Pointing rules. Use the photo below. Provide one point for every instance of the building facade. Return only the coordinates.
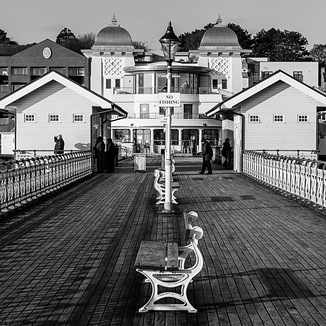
(133, 79)
(20, 65)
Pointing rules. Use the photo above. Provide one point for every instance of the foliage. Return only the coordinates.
(86, 41)
(318, 53)
(191, 41)
(67, 39)
(280, 45)
(6, 40)
(141, 45)
(244, 37)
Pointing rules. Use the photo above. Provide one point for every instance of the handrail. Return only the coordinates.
(302, 178)
(22, 181)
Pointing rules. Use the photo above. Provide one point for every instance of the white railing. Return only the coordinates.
(302, 178)
(23, 181)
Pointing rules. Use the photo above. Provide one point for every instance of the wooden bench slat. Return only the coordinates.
(172, 256)
(157, 256)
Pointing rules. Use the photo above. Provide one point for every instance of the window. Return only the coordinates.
(117, 83)
(187, 111)
(20, 71)
(54, 118)
(298, 75)
(322, 116)
(76, 72)
(108, 84)
(58, 69)
(122, 135)
(17, 86)
(78, 118)
(224, 84)
(265, 74)
(278, 118)
(4, 71)
(38, 71)
(144, 111)
(254, 118)
(215, 84)
(29, 118)
(302, 118)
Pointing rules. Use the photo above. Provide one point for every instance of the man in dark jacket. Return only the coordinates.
(59, 145)
(207, 154)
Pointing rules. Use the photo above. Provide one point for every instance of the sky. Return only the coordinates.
(29, 21)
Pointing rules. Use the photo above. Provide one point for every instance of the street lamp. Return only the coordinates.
(169, 42)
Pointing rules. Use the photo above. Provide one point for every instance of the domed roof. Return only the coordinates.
(113, 37)
(219, 36)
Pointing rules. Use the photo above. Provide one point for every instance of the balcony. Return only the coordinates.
(156, 90)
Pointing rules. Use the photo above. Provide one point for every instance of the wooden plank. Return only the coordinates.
(151, 255)
(172, 256)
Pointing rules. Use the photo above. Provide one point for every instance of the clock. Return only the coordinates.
(47, 53)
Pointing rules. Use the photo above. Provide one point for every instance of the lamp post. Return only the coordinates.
(169, 42)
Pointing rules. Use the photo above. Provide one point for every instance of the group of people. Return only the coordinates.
(105, 160)
(207, 154)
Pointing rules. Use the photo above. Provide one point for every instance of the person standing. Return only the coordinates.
(99, 153)
(207, 154)
(59, 145)
(111, 153)
(226, 153)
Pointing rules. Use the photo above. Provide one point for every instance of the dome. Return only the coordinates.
(113, 37)
(219, 36)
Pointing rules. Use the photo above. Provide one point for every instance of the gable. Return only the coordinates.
(279, 97)
(273, 80)
(34, 54)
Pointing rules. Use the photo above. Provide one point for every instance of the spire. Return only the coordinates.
(114, 20)
(219, 19)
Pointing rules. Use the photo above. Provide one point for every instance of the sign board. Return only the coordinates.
(140, 163)
(169, 99)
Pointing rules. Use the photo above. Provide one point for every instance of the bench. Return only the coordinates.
(172, 170)
(163, 265)
(159, 186)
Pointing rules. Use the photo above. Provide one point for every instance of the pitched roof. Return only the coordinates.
(67, 82)
(279, 75)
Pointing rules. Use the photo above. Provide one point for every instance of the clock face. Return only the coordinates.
(47, 53)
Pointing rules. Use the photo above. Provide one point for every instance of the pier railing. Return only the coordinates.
(299, 177)
(25, 180)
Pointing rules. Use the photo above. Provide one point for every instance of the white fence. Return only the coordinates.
(302, 178)
(23, 181)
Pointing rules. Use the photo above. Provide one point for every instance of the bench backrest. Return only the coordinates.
(192, 233)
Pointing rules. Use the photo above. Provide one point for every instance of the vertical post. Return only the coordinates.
(168, 161)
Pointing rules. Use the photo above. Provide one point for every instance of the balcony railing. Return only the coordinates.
(156, 90)
(161, 116)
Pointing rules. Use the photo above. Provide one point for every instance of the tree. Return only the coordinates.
(280, 45)
(86, 41)
(318, 53)
(140, 45)
(244, 37)
(68, 39)
(191, 41)
(6, 40)
(65, 35)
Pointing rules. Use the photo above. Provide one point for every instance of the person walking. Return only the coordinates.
(207, 154)
(59, 145)
(226, 153)
(111, 153)
(99, 153)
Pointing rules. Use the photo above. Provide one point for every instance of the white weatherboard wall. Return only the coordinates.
(280, 99)
(53, 98)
